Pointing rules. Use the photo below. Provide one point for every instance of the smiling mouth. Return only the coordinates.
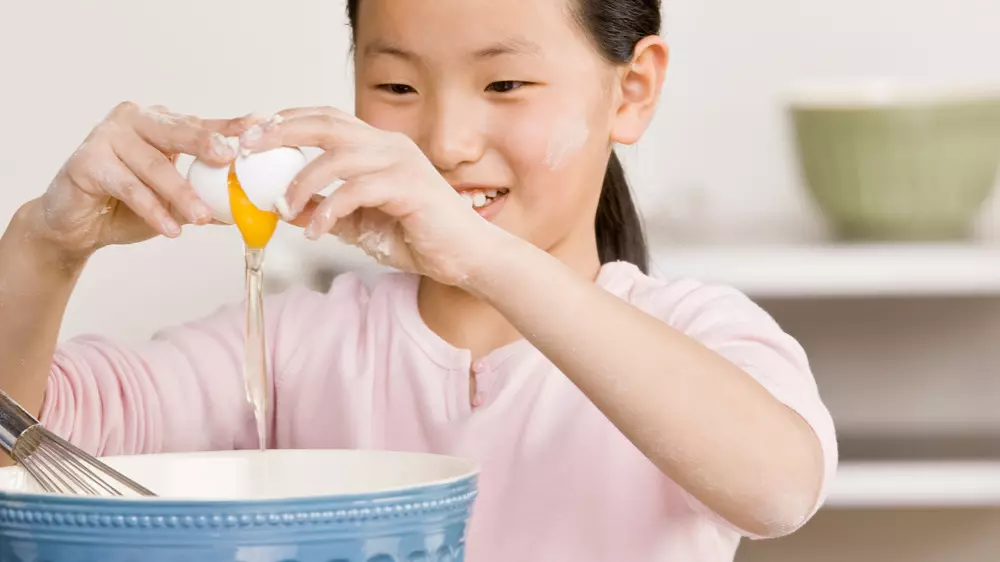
(480, 198)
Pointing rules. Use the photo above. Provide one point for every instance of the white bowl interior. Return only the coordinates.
(247, 475)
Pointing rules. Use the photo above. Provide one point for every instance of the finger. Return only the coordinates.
(323, 130)
(332, 168)
(345, 228)
(226, 127)
(316, 110)
(303, 219)
(353, 195)
(179, 135)
(113, 177)
(232, 127)
(157, 171)
(348, 228)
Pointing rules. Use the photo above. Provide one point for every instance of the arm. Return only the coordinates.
(692, 412)
(180, 391)
(118, 187)
(36, 280)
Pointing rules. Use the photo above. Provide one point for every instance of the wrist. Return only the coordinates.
(35, 238)
(507, 255)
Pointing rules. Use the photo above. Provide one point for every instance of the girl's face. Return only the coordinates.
(505, 98)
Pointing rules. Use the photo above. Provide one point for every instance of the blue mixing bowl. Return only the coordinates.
(251, 506)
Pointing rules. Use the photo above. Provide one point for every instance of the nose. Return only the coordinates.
(452, 134)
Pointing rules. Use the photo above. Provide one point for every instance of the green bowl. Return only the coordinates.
(890, 169)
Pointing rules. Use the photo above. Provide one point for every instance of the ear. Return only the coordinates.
(640, 82)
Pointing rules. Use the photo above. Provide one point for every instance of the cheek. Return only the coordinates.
(372, 108)
(552, 151)
(558, 159)
(543, 143)
(568, 139)
(522, 137)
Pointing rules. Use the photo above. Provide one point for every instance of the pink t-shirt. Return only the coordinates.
(358, 368)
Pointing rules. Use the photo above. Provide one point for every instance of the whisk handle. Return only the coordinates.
(14, 421)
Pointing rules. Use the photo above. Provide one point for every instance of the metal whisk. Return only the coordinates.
(55, 464)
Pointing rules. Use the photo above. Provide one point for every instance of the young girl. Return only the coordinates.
(615, 416)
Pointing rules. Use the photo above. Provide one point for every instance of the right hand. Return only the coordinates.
(121, 185)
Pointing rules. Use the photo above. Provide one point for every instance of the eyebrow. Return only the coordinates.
(376, 48)
(511, 46)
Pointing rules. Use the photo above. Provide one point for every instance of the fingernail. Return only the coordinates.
(221, 147)
(311, 231)
(200, 213)
(295, 209)
(170, 227)
(255, 133)
(285, 210)
(273, 121)
(254, 117)
(314, 231)
(251, 135)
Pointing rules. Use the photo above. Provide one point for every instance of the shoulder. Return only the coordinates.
(732, 325)
(687, 304)
(723, 320)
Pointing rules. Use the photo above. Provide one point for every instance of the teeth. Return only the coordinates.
(481, 197)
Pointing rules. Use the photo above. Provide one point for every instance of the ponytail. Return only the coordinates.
(620, 234)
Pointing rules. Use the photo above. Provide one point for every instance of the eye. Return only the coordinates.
(504, 86)
(397, 89)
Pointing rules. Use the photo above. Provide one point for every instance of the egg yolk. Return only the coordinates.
(256, 226)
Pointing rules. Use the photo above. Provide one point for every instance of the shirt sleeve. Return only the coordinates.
(183, 390)
(732, 325)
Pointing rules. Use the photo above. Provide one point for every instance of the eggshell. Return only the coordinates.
(264, 176)
(311, 153)
(211, 184)
(183, 163)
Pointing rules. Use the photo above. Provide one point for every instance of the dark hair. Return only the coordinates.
(615, 27)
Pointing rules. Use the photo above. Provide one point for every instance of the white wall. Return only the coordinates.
(66, 64)
(716, 164)
(719, 161)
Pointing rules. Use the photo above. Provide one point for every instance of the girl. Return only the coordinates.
(616, 417)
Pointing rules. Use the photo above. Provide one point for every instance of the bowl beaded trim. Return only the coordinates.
(280, 518)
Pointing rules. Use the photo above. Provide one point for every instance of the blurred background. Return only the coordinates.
(837, 161)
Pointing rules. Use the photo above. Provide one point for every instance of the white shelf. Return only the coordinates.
(840, 270)
(873, 485)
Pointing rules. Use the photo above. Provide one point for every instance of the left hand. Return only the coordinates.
(393, 204)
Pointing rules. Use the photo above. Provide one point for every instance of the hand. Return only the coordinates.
(121, 185)
(393, 204)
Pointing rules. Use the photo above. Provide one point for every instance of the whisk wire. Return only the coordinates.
(55, 464)
(92, 470)
(40, 459)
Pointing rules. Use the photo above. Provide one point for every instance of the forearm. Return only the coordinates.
(36, 281)
(708, 425)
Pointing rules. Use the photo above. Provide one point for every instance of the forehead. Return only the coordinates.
(450, 27)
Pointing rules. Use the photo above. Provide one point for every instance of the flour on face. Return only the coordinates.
(569, 137)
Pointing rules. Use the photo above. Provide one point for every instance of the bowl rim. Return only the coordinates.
(471, 473)
(877, 93)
